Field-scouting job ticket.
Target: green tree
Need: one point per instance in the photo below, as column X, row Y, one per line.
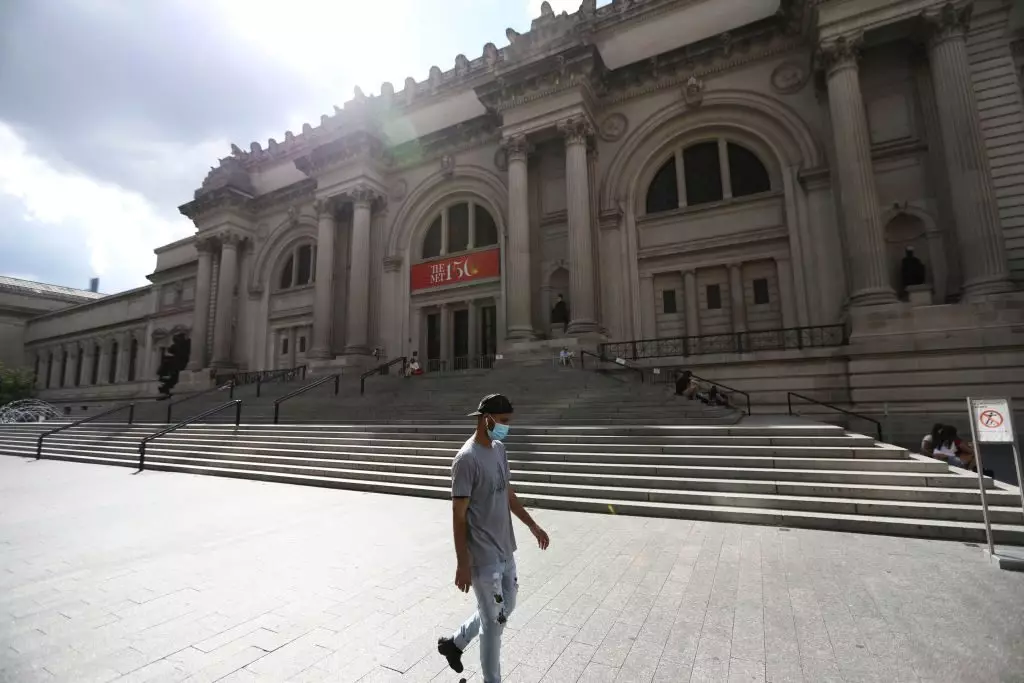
column 15, row 384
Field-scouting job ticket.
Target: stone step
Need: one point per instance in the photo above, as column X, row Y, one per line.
column 863, row 523
column 520, row 444
column 824, row 476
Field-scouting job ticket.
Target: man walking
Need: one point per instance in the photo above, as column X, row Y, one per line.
column 482, row 503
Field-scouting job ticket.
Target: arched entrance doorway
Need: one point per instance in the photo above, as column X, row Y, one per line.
column 455, row 285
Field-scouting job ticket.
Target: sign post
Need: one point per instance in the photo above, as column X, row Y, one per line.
column 992, row 422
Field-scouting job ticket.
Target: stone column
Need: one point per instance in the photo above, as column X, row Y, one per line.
column 229, row 246
column 87, row 360
column 416, row 334
column 474, row 331
column 323, row 296
column 692, row 303
column 103, row 376
column 648, row 311
column 40, row 382
column 869, row 280
column 358, row 319
column 446, row 337
column 201, row 312
column 736, row 296
column 784, row 273
column 979, row 232
column 577, row 132
column 517, row 254
column 71, row 366
column 292, row 347
column 124, row 349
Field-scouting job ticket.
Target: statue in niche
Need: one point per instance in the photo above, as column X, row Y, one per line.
column 912, row 270
column 560, row 313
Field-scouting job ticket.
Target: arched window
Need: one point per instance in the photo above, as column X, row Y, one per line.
column 712, row 171
column 486, row 229
column 663, row 192
column 703, row 173
column 299, row 268
column 432, row 242
column 746, row 172
column 458, row 228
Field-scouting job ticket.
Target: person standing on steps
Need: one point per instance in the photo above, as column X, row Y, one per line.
column 483, row 502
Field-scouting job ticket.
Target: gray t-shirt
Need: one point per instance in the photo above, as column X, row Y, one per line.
column 482, row 475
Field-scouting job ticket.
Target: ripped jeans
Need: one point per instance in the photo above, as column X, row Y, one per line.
column 495, row 586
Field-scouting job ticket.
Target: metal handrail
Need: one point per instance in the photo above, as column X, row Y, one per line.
column 604, row 359
column 276, row 375
column 237, row 403
column 726, row 387
column 783, row 338
column 109, row 411
column 789, row 401
column 301, row 390
column 170, row 406
column 379, row 370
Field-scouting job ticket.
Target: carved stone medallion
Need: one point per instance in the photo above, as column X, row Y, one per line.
column 501, row 159
column 399, row 190
column 613, row 127
column 789, row 77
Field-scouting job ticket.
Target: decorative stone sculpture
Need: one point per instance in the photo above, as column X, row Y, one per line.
column 491, row 55
column 694, row 91
column 613, row 127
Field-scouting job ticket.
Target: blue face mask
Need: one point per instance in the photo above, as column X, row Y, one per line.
column 498, row 432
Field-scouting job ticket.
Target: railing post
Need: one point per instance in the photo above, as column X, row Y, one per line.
column 170, row 405
column 789, row 401
column 238, row 413
column 362, row 386
column 337, row 383
column 232, row 393
column 259, row 385
column 277, row 411
column 142, row 455
column 39, row 447
column 131, row 414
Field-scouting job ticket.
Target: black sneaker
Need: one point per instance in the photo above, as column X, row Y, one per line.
column 450, row 651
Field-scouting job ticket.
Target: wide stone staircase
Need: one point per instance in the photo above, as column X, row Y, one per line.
column 581, row 440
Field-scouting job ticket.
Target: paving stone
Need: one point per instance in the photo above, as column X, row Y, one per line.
column 251, row 571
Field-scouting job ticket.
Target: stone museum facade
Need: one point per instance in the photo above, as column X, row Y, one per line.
column 732, row 185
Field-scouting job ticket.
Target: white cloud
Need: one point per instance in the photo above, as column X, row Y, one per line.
column 559, row 6
column 120, row 227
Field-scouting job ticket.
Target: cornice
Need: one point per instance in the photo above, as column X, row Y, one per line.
column 224, row 198
column 447, row 142
column 717, row 242
column 709, row 58
column 289, row 195
column 355, row 147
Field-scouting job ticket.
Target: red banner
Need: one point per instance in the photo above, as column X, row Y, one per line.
column 478, row 265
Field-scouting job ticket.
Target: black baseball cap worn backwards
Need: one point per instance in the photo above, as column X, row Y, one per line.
column 493, row 404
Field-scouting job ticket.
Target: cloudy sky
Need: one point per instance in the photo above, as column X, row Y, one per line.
column 112, row 111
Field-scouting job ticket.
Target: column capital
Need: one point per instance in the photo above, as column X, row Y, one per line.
column 204, row 245
column 231, row 240
column 324, row 207
column 840, row 53
column 948, row 22
column 576, row 129
column 363, row 196
column 516, row 147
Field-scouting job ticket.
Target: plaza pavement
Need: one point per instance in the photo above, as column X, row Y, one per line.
column 166, row 577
